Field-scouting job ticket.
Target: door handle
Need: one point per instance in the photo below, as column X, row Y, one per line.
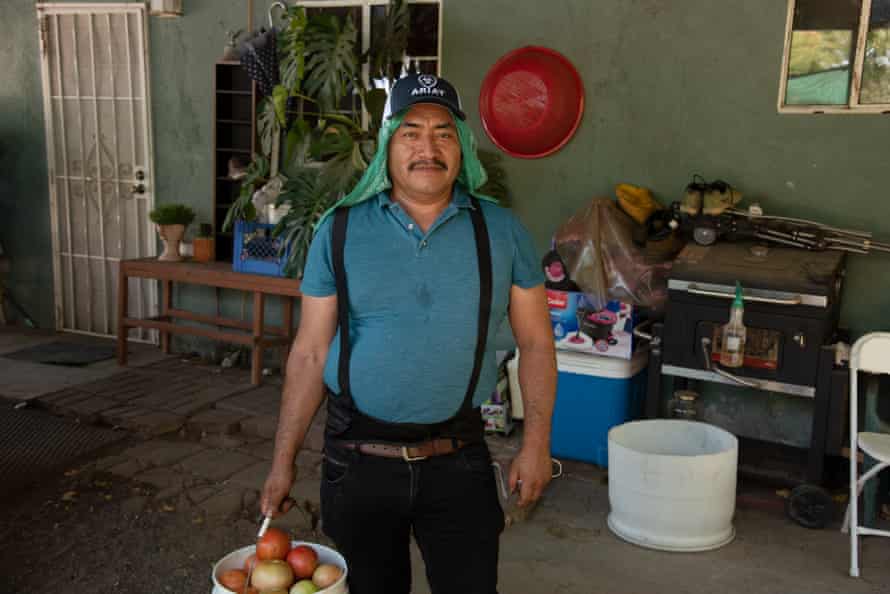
column 795, row 300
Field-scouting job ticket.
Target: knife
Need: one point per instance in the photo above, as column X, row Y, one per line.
column 263, row 527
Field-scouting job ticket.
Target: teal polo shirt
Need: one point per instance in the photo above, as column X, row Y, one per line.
column 414, row 304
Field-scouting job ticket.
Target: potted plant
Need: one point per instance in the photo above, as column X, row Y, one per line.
column 311, row 149
column 203, row 243
column 171, row 220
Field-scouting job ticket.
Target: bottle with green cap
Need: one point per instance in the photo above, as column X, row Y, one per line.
column 734, row 333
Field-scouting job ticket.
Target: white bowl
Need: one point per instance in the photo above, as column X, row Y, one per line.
column 236, row 559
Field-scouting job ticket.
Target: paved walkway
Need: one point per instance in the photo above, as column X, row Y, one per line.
column 203, row 444
column 207, row 435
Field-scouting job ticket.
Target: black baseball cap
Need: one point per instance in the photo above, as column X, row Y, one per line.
column 422, row 88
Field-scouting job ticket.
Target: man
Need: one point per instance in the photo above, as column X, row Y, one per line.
column 404, row 287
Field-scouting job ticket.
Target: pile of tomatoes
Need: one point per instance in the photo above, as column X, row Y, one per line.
column 278, row 568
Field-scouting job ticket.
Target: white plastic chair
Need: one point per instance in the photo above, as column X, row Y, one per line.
column 871, row 353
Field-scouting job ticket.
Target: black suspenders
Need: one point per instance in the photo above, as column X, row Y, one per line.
column 483, row 254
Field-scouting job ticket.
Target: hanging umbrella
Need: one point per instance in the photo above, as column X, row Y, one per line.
column 258, row 53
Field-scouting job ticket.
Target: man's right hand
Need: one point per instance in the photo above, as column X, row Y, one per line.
column 275, row 499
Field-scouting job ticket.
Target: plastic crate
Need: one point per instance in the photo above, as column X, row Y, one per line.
column 256, row 251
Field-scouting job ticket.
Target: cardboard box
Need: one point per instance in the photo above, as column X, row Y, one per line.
column 496, row 410
column 580, row 327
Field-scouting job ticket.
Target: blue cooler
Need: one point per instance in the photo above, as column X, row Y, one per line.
column 593, row 394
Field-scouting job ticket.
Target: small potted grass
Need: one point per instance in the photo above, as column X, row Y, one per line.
column 203, row 243
column 171, row 221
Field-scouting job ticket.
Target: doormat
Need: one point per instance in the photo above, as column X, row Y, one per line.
column 72, row 354
column 34, row 443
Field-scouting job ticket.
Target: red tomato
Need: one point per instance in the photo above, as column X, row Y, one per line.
column 303, row 560
column 274, row 544
column 233, row 580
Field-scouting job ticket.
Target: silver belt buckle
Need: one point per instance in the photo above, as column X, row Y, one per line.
column 408, row 458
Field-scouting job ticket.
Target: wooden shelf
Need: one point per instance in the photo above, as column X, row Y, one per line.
column 232, row 150
column 235, row 122
column 232, row 92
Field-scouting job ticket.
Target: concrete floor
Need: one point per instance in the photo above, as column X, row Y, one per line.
column 565, row 545
column 23, row 380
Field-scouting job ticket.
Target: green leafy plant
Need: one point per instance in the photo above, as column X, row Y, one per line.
column 205, row 230
column 309, row 197
column 172, row 214
column 320, row 149
column 242, row 208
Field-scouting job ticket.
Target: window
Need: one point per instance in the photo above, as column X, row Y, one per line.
column 837, row 57
column 424, row 39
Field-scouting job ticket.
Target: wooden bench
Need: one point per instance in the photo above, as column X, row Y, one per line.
column 210, row 274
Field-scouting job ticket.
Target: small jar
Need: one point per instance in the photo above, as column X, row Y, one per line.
column 684, row 405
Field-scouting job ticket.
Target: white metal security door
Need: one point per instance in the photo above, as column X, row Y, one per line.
column 99, row 150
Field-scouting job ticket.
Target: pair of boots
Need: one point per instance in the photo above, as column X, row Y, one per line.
column 709, row 198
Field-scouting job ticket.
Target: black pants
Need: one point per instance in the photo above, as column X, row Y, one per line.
column 370, row 505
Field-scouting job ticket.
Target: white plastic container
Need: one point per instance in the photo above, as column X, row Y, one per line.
column 236, row 559
column 672, row 484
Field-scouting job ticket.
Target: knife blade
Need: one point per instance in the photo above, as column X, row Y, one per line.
column 263, row 527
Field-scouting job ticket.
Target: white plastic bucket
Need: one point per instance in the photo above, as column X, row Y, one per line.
column 672, row 484
column 236, row 559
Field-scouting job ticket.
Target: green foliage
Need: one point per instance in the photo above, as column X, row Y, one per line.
column 388, row 47
column 818, row 51
column 496, row 186
column 332, row 65
column 242, row 209
column 172, row 214
column 876, row 70
column 323, row 150
column 293, row 49
column 309, row 198
column 268, row 125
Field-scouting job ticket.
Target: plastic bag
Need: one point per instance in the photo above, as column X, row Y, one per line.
column 597, row 247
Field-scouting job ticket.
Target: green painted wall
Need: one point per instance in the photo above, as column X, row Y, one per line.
column 675, row 88
column 24, row 226
column 670, row 91
column 182, row 52
column 672, row 88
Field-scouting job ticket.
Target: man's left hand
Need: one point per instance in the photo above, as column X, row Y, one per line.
column 533, row 467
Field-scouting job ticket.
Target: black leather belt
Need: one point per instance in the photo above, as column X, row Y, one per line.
column 409, row 453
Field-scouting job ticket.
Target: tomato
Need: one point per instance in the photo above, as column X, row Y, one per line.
column 274, row 544
column 326, row 575
column 304, row 587
column 303, row 560
column 249, row 562
column 272, row 575
column 233, row 580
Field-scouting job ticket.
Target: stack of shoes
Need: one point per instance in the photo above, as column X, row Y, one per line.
column 709, row 198
column 694, row 196
column 720, row 196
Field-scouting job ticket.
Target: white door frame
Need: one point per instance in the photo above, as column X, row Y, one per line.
column 147, row 300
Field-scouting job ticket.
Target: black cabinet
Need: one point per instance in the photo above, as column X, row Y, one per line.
column 234, row 133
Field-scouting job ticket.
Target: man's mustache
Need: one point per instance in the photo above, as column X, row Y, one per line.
column 428, row 163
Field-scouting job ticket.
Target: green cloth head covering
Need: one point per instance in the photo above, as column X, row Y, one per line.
column 472, row 174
